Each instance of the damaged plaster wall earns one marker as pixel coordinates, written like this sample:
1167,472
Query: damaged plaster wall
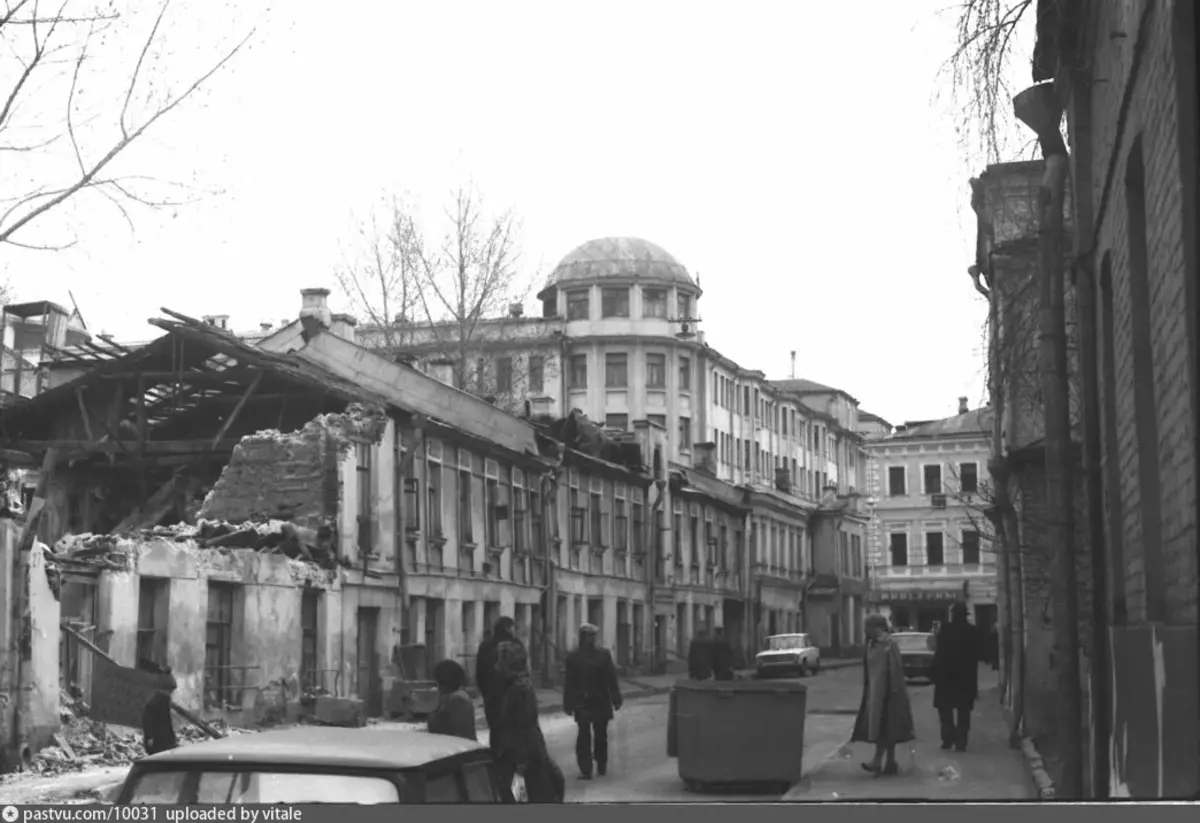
265,632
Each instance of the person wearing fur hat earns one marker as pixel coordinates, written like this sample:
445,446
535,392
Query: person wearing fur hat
521,746
158,732
591,694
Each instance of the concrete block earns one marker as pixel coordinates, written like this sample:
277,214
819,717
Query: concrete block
340,711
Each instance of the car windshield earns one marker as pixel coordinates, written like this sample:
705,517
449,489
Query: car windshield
787,641
914,642
192,786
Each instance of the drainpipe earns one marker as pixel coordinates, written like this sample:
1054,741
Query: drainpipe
651,585
1039,108
550,613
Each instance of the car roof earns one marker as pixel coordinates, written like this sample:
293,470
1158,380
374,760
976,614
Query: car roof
324,746
912,634
789,634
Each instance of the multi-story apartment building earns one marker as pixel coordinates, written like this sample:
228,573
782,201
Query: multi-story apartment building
930,543
618,340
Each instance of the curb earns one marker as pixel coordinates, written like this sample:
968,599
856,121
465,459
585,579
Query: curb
1037,769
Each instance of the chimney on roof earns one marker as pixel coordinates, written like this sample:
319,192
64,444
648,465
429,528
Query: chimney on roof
962,405
343,326
219,321
315,304
704,458
265,326
515,310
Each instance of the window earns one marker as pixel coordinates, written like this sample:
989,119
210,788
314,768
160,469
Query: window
654,303
578,371
443,788
614,302
677,538
578,512
616,421
520,544
578,305
685,374
412,504
639,522
896,481
363,471
597,537
188,785
684,304
504,375
899,548
218,646
935,549
970,547
724,546
154,610
968,478
616,371
685,432
466,531
656,371
621,527
433,489
480,376
933,479
694,539
309,676
491,502
537,373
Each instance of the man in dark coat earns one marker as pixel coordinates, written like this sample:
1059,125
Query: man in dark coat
956,677
700,657
722,656
489,681
591,694
158,732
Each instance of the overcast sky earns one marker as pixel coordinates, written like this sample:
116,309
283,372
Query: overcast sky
793,155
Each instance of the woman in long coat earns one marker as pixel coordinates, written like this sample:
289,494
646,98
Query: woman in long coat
885,715
522,748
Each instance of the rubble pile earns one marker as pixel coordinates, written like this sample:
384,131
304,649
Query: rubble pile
83,743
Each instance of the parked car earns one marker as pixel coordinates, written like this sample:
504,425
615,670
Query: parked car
318,764
916,650
788,653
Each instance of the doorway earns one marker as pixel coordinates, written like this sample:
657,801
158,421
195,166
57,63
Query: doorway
623,634
370,685
680,629
595,616
985,616
639,631
660,643
435,624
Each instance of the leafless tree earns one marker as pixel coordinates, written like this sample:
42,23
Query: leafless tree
979,67
67,113
472,275
379,274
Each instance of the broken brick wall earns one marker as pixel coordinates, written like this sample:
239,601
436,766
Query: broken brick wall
291,476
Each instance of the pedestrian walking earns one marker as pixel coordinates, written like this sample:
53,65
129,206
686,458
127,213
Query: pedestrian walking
722,656
956,677
491,685
521,745
591,694
455,712
885,714
700,656
158,732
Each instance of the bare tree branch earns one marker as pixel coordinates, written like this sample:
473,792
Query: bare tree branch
33,37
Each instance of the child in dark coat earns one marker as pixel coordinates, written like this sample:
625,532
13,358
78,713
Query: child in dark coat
455,714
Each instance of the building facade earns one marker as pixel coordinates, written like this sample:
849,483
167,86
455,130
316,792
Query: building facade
930,540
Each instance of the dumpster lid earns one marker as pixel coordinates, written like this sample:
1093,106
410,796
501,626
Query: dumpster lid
751,686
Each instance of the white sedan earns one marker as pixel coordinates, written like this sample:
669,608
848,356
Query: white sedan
788,653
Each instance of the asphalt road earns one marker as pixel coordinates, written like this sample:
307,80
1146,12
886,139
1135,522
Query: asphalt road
640,771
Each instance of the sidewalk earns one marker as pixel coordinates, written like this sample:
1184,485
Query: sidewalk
987,770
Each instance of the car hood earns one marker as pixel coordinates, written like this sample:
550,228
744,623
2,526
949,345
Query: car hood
779,653
917,653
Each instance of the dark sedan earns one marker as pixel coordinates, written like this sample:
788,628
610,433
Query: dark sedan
314,764
916,650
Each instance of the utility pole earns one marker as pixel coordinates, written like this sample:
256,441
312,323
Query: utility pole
1040,109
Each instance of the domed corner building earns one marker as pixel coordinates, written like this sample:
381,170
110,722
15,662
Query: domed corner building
630,349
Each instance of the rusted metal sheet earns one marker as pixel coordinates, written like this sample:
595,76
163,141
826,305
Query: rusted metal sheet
1155,721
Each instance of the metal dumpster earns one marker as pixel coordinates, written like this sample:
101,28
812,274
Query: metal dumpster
737,732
